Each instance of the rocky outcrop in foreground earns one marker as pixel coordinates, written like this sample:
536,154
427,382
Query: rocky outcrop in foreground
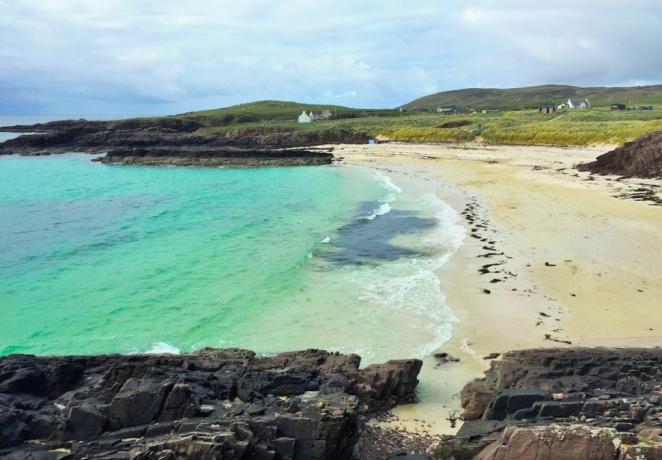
563,404
213,404
173,140
641,158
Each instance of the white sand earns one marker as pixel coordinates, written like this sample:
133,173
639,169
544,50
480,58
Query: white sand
603,281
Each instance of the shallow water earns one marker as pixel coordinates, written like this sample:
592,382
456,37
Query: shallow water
6,136
98,259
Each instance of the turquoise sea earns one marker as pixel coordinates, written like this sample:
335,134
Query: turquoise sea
99,259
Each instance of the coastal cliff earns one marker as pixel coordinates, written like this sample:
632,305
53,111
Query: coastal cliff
228,403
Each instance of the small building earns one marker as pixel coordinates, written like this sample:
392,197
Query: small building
643,107
323,115
304,117
491,110
447,109
578,104
617,107
547,108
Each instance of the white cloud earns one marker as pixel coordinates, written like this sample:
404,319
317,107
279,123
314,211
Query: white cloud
171,56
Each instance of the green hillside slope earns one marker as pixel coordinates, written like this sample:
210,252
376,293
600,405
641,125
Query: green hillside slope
262,111
530,97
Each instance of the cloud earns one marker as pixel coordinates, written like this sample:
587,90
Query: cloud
148,56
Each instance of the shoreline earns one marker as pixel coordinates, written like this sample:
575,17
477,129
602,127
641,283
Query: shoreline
564,277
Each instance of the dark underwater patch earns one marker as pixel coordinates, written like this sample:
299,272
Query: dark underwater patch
366,241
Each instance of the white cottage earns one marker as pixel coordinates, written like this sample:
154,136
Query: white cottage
576,104
304,117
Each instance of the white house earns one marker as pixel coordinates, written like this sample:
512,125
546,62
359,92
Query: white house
304,117
576,104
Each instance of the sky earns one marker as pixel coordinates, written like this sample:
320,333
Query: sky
144,57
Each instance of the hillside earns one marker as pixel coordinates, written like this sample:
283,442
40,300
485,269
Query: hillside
530,97
274,111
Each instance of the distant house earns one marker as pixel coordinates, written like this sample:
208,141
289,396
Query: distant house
491,110
323,115
310,116
617,107
547,108
643,107
447,109
578,104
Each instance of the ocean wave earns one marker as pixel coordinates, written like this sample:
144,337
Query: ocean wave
411,288
382,210
392,192
161,348
387,183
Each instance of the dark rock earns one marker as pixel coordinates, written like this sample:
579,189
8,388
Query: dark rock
296,405
476,428
178,141
445,358
641,158
563,403
217,157
510,401
560,409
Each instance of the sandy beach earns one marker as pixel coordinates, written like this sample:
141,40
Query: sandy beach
552,257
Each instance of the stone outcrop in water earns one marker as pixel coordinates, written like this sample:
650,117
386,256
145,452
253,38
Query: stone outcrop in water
172,140
563,404
641,158
231,157
225,404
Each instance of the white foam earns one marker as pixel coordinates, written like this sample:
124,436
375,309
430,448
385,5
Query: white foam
392,192
387,183
382,210
467,348
410,288
163,348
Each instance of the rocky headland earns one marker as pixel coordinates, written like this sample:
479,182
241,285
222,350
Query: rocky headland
180,141
212,404
641,158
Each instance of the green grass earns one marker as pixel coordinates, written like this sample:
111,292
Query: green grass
269,111
524,127
579,127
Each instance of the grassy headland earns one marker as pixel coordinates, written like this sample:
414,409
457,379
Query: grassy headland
599,125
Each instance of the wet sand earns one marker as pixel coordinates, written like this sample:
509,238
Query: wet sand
552,257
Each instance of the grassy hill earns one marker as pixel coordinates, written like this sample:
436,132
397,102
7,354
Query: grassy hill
530,97
525,127
271,111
